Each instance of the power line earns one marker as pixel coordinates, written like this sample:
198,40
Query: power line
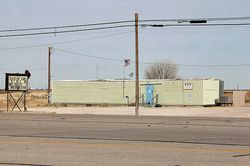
90,56
66,26
128,25
64,36
150,63
194,25
64,42
65,31
122,26
127,21
189,19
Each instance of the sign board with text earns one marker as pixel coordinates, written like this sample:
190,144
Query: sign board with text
16,82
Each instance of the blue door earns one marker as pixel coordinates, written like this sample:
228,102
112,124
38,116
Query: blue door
149,94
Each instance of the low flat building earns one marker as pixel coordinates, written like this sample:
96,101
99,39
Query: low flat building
195,92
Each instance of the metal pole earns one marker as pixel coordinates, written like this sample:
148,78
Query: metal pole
136,67
123,84
24,102
7,101
49,77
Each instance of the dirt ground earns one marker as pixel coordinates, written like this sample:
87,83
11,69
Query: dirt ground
227,112
35,98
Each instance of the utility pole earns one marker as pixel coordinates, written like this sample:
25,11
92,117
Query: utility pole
49,73
136,67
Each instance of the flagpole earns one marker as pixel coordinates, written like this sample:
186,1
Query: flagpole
123,85
127,63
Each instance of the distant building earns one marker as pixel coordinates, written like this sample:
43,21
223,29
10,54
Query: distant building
196,92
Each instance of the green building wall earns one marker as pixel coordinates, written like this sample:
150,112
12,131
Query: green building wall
170,92
85,92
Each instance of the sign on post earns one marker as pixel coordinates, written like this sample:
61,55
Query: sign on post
17,82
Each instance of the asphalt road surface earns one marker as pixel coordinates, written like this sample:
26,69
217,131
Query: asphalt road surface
51,139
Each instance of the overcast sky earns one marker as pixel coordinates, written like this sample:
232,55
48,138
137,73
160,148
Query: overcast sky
180,45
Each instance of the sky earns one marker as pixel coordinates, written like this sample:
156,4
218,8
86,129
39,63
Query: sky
180,45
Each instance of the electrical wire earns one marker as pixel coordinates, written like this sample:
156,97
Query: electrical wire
65,31
90,56
128,25
66,26
127,21
189,19
148,63
122,26
64,42
194,25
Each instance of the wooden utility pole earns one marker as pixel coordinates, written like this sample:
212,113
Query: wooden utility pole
49,75
136,67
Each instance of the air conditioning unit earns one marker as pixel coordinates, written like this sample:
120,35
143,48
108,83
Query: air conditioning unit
224,99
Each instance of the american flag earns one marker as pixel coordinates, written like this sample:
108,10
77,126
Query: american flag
126,62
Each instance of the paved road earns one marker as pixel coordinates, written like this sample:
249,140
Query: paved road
50,139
